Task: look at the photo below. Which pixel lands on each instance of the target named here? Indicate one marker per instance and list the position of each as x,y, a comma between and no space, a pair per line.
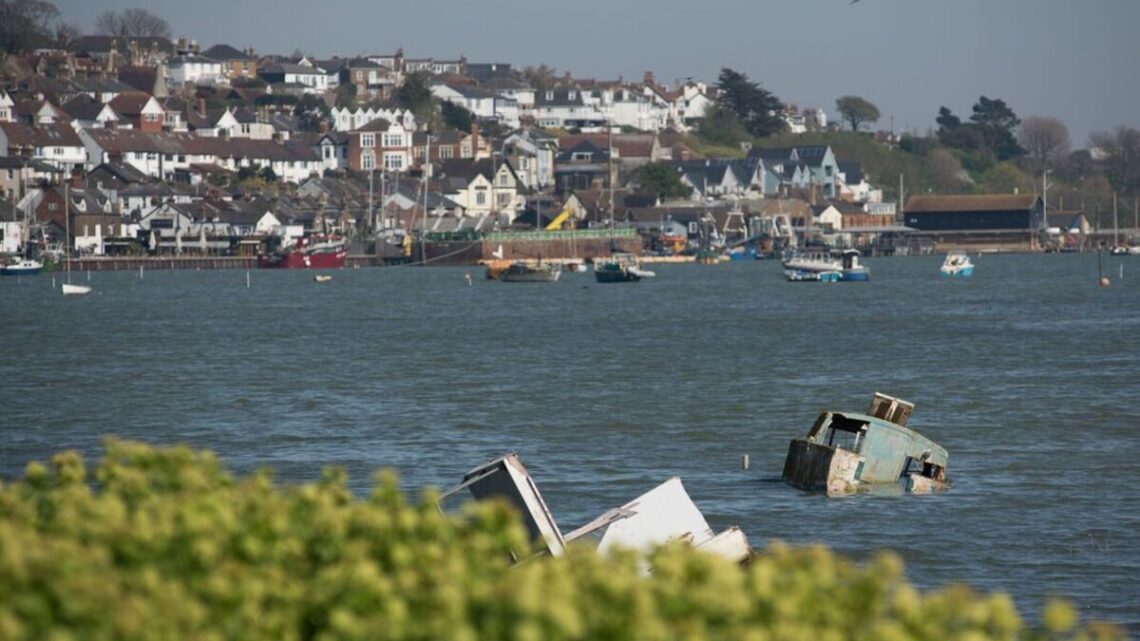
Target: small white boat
74,290
957,265
322,278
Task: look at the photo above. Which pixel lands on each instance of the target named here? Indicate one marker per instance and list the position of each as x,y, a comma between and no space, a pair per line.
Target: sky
1071,59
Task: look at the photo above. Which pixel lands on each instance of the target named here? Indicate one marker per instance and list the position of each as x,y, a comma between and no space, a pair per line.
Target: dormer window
572,95
550,95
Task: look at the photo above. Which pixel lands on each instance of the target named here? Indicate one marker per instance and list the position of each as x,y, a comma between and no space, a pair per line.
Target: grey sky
1073,59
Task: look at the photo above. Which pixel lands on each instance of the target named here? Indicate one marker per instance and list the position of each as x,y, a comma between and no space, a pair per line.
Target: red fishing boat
307,252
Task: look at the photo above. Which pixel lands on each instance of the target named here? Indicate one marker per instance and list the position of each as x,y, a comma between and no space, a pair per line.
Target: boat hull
302,260
964,272
22,268
74,290
618,275
524,274
816,467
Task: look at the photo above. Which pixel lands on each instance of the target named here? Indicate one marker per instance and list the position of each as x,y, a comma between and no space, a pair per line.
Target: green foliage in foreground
170,546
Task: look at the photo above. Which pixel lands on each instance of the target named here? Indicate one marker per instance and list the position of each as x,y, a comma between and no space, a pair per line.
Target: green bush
166,544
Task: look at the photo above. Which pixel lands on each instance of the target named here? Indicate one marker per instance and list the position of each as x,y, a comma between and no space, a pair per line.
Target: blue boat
22,267
832,267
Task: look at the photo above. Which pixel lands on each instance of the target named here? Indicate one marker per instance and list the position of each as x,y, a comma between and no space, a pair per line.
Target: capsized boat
526,273
957,265
848,452
22,267
833,266
620,268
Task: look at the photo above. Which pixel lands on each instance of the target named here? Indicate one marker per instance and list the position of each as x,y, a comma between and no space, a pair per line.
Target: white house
7,105
480,102
344,119
55,144
568,108
480,187
194,70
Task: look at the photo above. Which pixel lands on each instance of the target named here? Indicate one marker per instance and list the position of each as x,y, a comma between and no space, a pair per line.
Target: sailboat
67,288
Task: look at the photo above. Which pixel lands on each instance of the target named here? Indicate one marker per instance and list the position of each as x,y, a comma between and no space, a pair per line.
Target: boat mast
423,222
1115,225
67,230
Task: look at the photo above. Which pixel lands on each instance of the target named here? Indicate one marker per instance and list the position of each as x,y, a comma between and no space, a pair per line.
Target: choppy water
1027,373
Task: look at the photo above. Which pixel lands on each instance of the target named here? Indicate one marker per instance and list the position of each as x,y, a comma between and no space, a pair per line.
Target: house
512,89
235,64
380,144
56,144
345,119
811,168
151,80
332,147
988,221
7,107
482,103
102,90
87,112
567,108
709,179
194,70
583,166
310,77
17,173
136,50
852,183
139,110
482,187
532,152
368,77
56,202
37,112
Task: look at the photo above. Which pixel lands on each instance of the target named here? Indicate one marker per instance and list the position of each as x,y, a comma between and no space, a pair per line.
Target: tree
721,127
456,116
856,111
311,111
661,180
1046,139
1006,178
756,108
997,123
26,25
945,169
1120,156
346,95
540,78
132,23
415,95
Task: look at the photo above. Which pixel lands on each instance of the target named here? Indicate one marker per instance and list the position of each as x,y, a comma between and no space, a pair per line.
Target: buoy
247,279
468,277
1104,281
744,462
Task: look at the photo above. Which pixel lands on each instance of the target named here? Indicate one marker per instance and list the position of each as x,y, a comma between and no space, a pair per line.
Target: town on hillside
149,146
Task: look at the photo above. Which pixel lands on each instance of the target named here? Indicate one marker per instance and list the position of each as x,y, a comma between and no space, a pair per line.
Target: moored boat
525,273
830,267
22,267
308,252
620,268
957,265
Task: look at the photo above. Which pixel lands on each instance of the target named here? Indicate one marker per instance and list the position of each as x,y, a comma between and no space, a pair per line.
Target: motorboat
833,266
620,268
527,273
22,267
957,265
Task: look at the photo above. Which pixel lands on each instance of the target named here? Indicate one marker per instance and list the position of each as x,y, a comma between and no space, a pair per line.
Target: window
571,95
504,200
367,140
367,160
480,198
504,180
393,161
150,117
446,152
550,95
393,140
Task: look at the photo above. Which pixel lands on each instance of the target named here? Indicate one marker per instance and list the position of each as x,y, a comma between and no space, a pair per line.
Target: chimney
323,128
474,139
649,79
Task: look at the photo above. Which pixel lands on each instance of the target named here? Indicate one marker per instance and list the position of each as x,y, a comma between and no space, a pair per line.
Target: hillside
881,164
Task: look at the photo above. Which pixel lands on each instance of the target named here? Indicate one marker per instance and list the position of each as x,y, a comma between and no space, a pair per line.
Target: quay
130,263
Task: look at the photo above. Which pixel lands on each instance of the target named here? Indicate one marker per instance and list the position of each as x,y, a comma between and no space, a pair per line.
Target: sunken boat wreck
663,514
848,452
